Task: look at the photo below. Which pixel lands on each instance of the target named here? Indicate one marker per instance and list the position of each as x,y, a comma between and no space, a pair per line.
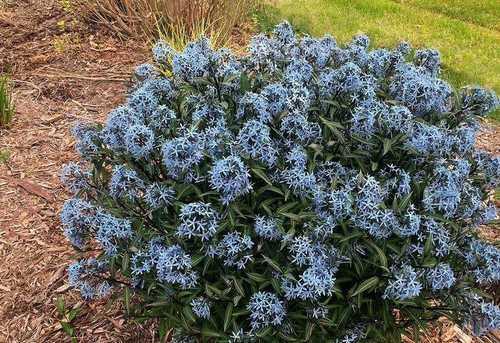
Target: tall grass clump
304,192
177,21
7,107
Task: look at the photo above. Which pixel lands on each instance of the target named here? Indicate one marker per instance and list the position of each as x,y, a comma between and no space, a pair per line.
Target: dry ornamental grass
179,20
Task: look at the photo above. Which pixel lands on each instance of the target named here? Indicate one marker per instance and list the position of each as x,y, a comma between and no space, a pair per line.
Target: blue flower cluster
81,220
429,59
267,228
483,316
88,277
125,183
231,178
266,309
404,285
356,334
490,317
174,266
159,195
201,307
170,264
112,230
479,101
88,140
75,178
444,193
484,258
257,194
418,90
441,276
318,278
139,140
182,154
162,52
234,249
198,220
254,140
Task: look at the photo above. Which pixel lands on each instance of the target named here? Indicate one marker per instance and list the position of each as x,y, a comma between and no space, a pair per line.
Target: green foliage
67,317
4,155
7,107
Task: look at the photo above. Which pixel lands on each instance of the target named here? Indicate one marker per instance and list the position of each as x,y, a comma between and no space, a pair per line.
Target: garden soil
64,71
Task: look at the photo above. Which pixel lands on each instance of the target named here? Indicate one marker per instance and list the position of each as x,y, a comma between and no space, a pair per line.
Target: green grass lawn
466,32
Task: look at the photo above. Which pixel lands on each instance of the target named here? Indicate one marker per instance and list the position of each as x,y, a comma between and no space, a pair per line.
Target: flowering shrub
303,192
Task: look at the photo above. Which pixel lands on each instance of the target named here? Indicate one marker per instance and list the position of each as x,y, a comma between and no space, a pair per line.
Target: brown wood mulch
63,73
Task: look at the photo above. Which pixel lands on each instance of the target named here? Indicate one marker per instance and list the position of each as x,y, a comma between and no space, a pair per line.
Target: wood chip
32,189
55,277
5,289
62,289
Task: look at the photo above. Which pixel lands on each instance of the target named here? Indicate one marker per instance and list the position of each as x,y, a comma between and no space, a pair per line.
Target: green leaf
430,262
125,263
273,264
228,316
285,338
366,285
262,175
236,300
241,313
238,211
381,255
159,303
405,202
239,287
72,314
351,236
211,290
61,308
276,285
264,332
188,313
331,102
267,209
344,315
163,328
287,207
292,216
208,193
309,331
196,259
335,129
126,297
257,277
428,246
272,189
245,83
231,217
387,146
207,332
68,328
331,124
